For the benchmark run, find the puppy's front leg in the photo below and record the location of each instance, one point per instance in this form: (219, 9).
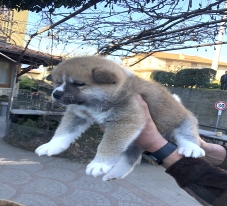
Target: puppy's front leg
(70, 129)
(116, 140)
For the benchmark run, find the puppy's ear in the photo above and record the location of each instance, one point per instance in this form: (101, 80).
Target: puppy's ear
(103, 76)
(49, 78)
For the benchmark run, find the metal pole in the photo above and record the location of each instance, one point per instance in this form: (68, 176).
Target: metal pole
(217, 123)
(219, 114)
(11, 100)
(218, 47)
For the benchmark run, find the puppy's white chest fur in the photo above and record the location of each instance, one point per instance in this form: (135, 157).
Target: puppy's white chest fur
(100, 116)
(84, 112)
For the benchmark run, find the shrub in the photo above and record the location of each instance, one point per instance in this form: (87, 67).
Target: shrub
(214, 85)
(27, 83)
(186, 78)
(154, 75)
(204, 77)
(191, 77)
(4, 98)
(167, 78)
(45, 122)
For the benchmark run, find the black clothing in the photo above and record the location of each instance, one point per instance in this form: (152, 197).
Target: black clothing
(223, 82)
(202, 180)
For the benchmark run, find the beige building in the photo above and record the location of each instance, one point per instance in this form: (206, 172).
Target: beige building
(12, 32)
(35, 74)
(13, 26)
(170, 62)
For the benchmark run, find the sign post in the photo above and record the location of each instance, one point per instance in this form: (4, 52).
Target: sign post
(220, 106)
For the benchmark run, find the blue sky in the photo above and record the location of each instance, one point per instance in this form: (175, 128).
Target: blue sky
(206, 52)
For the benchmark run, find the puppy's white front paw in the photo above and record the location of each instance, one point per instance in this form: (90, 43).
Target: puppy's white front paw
(96, 168)
(117, 173)
(121, 169)
(55, 146)
(189, 149)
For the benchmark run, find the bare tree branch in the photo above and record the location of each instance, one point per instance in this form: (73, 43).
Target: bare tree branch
(86, 6)
(178, 48)
(131, 27)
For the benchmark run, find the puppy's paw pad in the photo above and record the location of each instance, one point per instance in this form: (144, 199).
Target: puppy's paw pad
(98, 168)
(109, 177)
(191, 150)
(115, 173)
(119, 171)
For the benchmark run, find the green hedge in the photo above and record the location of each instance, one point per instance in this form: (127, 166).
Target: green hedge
(27, 83)
(165, 78)
(187, 78)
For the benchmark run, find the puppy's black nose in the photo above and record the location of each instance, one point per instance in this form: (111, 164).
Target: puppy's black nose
(57, 94)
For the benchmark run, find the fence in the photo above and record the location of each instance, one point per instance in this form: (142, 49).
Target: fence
(35, 101)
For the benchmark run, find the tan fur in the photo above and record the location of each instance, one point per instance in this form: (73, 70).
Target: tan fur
(164, 109)
(80, 68)
(99, 90)
(166, 113)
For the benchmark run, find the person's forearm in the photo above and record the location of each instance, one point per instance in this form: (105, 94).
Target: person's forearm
(215, 153)
(171, 159)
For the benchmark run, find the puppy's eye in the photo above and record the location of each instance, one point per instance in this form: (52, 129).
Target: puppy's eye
(78, 84)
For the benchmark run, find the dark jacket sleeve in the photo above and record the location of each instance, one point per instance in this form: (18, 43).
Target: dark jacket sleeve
(202, 180)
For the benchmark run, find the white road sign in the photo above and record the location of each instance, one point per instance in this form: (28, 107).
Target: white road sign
(221, 105)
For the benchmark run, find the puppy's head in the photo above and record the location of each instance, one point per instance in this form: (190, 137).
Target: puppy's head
(87, 81)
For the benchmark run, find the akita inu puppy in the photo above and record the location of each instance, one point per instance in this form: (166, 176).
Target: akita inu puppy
(97, 90)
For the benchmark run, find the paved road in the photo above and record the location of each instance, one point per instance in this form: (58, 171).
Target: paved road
(50, 181)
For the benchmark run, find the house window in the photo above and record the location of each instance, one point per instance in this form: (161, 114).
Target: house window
(5, 74)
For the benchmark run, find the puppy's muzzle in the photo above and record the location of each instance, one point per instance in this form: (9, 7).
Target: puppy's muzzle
(57, 94)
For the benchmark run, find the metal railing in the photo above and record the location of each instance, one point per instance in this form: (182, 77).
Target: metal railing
(213, 127)
(35, 101)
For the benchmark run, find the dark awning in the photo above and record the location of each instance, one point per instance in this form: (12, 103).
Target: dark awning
(30, 56)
